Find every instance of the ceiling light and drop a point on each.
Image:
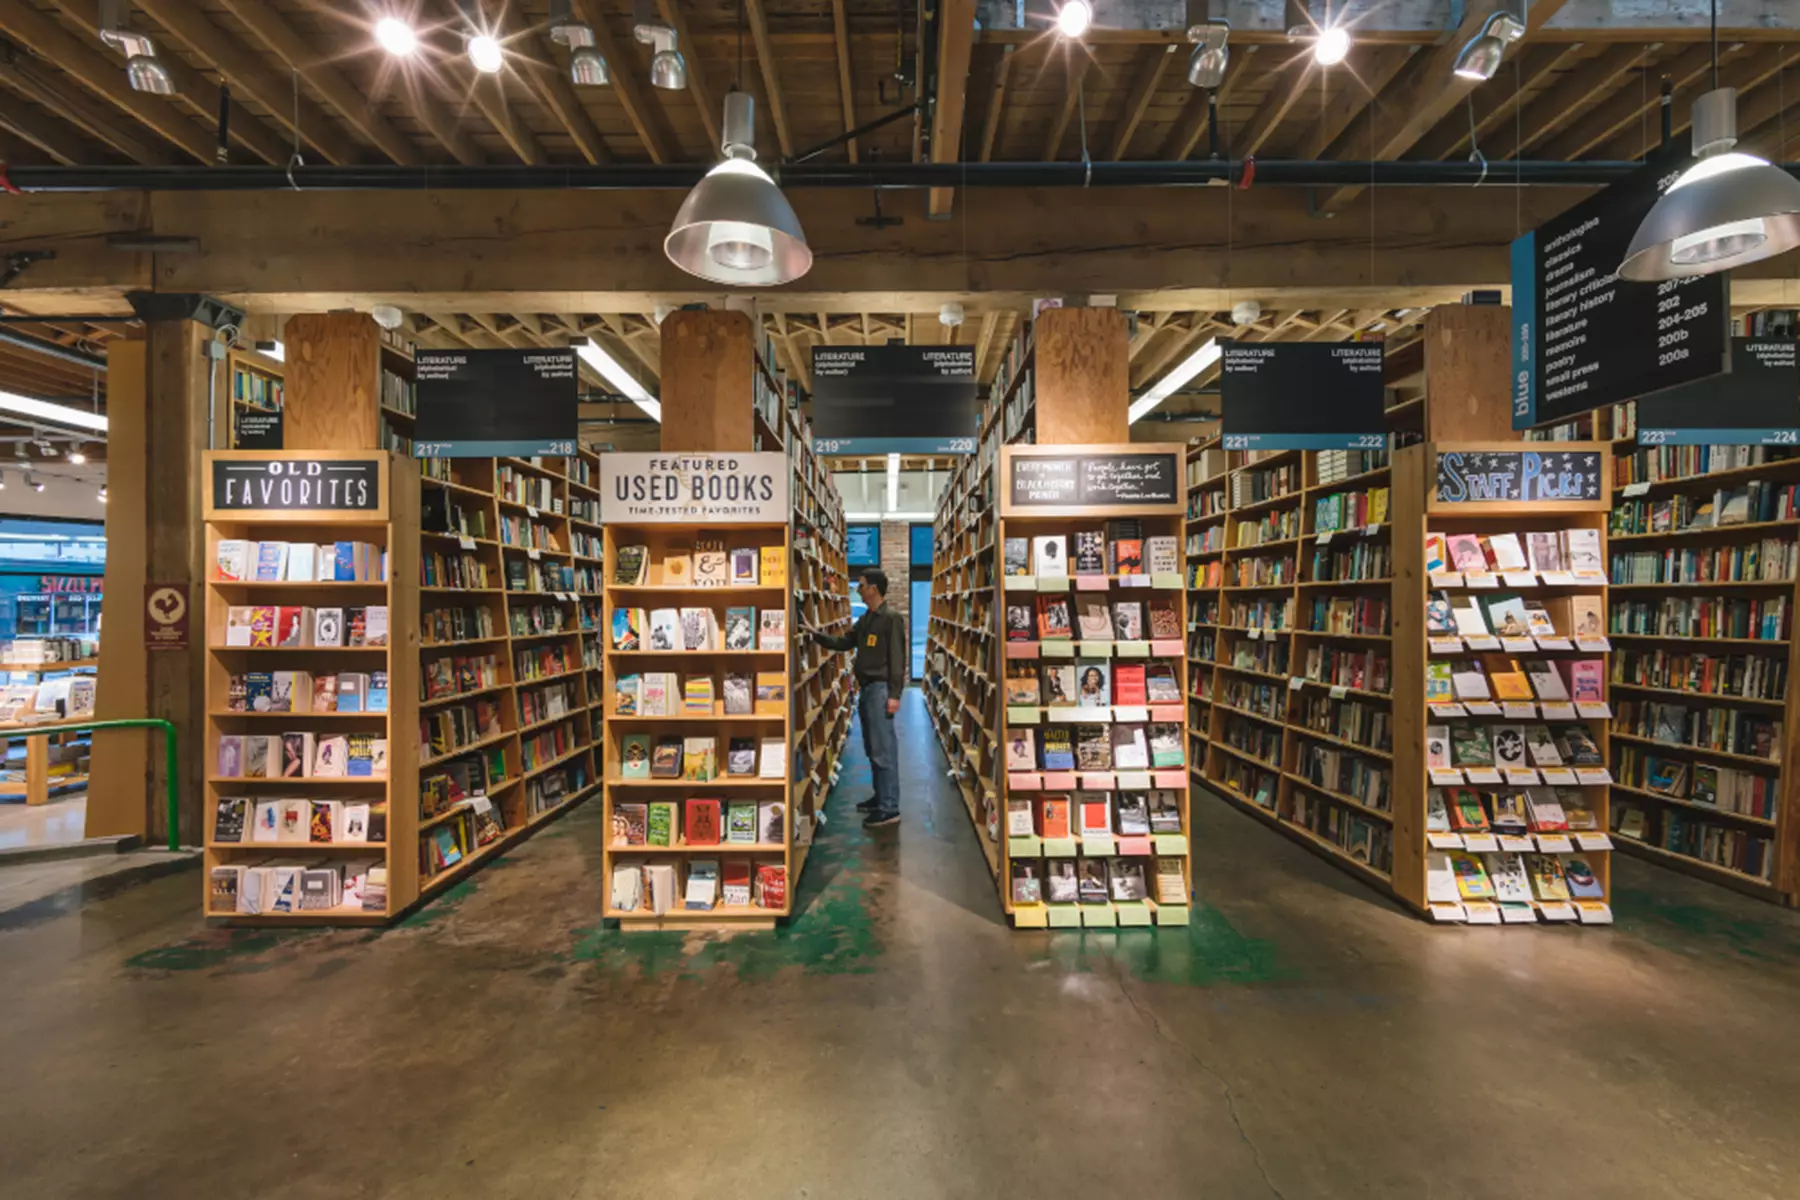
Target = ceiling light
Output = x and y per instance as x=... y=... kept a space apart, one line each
x=1727 y=210
x=893 y=483
x=396 y=36
x=587 y=68
x=623 y=381
x=43 y=410
x=485 y=53
x=1481 y=57
x=1176 y=379
x=1206 y=66
x=1074 y=18
x=1331 y=46
x=274 y=350
x=103 y=493
x=77 y=455
x=36 y=484
x=668 y=70
x=735 y=226
x=147 y=74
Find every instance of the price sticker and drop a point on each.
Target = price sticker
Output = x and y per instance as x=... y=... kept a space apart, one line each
x=466 y=543
x=1295 y=683
x=1339 y=692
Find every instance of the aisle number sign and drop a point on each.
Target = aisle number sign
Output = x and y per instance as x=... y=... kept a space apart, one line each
x=670 y=488
x=1302 y=396
x=497 y=403
x=1756 y=403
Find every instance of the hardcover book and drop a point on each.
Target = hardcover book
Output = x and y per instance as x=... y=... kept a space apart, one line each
x=1059 y=881
x=1020 y=626
x=1054 y=816
x=1165 y=811
x=1093 y=748
x=1054 y=621
x=740 y=629
x=1092 y=617
x=1059 y=750
x=1090 y=552
x=702 y=822
x=630 y=566
x=1128 y=620
x=1127 y=878
x=1093 y=689
x=1049 y=555
x=634 y=756
x=630 y=824
x=1160 y=556
x=1017 y=556
x=740 y=756
x=1022 y=682
x=745 y=564
x=1059 y=684
x=1165 y=744
x=1027 y=886
x=771 y=629
x=665 y=758
x=711 y=567
x=1092 y=879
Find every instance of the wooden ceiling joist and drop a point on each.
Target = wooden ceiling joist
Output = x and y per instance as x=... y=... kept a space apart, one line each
x=840 y=44
x=629 y=86
x=996 y=103
x=1348 y=96
x=1075 y=68
x=1626 y=105
x=1489 y=107
x=1152 y=64
x=536 y=61
x=956 y=38
x=1292 y=82
x=767 y=58
x=1575 y=92
x=60 y=140
x=706 y=107
x=1752 y=67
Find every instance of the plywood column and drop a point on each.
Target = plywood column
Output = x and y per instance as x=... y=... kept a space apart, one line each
x=333 y=382
x=1083 y=376
x=154 y=446
x=1468 y=373
x=708 y=381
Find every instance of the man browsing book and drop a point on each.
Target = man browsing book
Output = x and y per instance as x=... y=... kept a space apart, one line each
x=881 y=667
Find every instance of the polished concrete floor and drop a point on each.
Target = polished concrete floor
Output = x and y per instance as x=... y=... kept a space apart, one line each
x=59 y=823
x=1303 y=1039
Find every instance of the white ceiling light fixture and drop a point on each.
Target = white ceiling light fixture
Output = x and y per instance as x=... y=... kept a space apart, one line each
x=274 y=350
x=1212 y=53
x=43 y=410
x=1175 y=380
x=623 y=381
x=1074 y=19
x=77 y=455
x=668 y=70
x=1481 y=57
x=143 y=70
x=1330 y=43
x=587 y=66
x=893 y=483
x=395 y=36
x=736 y=227
x=484 y=49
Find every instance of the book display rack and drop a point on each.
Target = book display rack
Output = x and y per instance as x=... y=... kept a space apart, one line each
x=310 y=624
x=1094 y=725
x=1501 y=711
x=1207 y=510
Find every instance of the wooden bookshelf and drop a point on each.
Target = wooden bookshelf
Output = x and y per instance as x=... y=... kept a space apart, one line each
x=391 y=524
x=1204 y=551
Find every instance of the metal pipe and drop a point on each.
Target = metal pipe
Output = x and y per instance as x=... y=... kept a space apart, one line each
x=637 y=177
x=51 y=349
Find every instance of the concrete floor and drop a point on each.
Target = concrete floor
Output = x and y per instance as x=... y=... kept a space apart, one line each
x=1303 y=1039
x=61 y=822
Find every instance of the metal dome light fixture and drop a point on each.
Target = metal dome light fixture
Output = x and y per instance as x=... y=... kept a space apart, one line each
x=736 y=227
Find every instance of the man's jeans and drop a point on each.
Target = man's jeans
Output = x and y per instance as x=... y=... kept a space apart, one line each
x=882 y=747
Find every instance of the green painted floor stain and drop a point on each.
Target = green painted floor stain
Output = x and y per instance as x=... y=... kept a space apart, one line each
x=1703 y=929
x=215 y=948
x=1210 y=952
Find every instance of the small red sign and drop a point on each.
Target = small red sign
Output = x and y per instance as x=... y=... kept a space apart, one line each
x=166 y=616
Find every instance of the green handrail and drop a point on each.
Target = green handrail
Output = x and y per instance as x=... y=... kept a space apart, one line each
x=172 y=761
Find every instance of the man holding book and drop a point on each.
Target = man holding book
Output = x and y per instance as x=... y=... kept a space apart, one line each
x=882 y=667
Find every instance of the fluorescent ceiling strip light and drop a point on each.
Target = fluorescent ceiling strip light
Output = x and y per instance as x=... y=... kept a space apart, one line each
x=893 y=488
x=1175 y=380
x=621 y=379
x=890 y=516
x=43 y=410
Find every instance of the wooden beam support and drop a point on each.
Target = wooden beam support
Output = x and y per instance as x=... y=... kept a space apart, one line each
x=249 y=72
x=767 y=59
x=1282 y=96
x=1152 y=63
x=28 y=77
x=628 y=86
x=60 y=140
x=840 y=43
x=1348 y=97
x=705 y=105
x=1495 y=102
x=1627 y=105
x=1191 y=126
x=990 y=127
x=1745 y=71
x=1431 y=90
x=956 y=39
x=1576 y=92
x=93 y=69
x=273 y=28
x=1075 y=67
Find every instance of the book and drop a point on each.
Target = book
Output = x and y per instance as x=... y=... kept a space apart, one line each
x=1021 y=626
x=665 y=758
x=1059 y=881
x=702 y=892
x=740 y=629
x=1584 y=550
x=771 y=629
x=1577 y=746
x=1506 y=615
x=229 y=757
x=630 y=565
x=1466 y=612
x=1165 y=621
x=1127 y=878
x=771 y=759
x=1089 y=552
x=745 y=566
x=771 y=692
x=1466 y=553
x=1016 y=556
x=740 y=756
x=233 y=559
x=1059 y=688
x=1093 y=748
x=771 y=885
x=699 y=630
x=711 y=565
x=771 y=822
x=630 y=824
x=1509 y=814
x=1054 y=816
x=1437 y=554
x=1507 y=678
x=1093 y=688
x=1092 y=881
x=1437 y=746
x=1161 y=557
x=1165 y=744
x=1021 y=749
x=1547 y=881
x=1470 y=746
x=1511 y=884
x=1509 y=746
x=1022 y=681
x=1161 y=684
x=627 y=887
x=1440 y=614
x=774 y=566
x=1165 y=811
x=627 y=696
x=634 y=756
x=1027 y=885
x=734 y=883
x=740 y=825
x=1468 y=682
x=1049 y=555
x=665 y=629
x=1059 y=749
x=701 y=822
x=1580 y=879
x=1133 y=813
x=1544 y=812
x=678 y=565
x=1541 y=746
x=1128 y=620
x=699 y=758
x=1545 y=551
x=736 y=692
x=1538 y=621
x=230 y=815
x=1472 y=881
x=1130 y=749
x=1586 y=680
x=1546 y=682
x=1508 y=554
x=1439 y=687
x=627 y=628
x=1053 y=617
x=1586 y=619
x=659 y=824
x=332 y=757
x=1092 y=618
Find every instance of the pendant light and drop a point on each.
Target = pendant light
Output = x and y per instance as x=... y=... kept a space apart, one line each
x=1727 y=210
x=735 y=226
x=1481 y=57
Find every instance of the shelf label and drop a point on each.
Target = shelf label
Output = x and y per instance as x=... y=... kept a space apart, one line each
x=1594 y=645
x=1097 y=781
x=467 y=543
x=1516 y=843
x=1446 y=645
x=1480 y=579
x=1519 y=579
x=1481 y=842
x=1372 y=528
x=1554 y=643
x=1339 y=692
x=1518 y=914
x=531 y=553
x=1448 y=913
x=1167 y=579
x=1556 y=911
x=1514 y=645
x=1595 y=709
x=1446 y=579
x=1518 y=710
x=1590 y=575
x=1070 y=716
x=1593 y=776
x=1024 y=847
x=1521 y=776
x=1560 y=776
x=1446 y=776
x=1253 y=633
x=1057 y=648
x=1594 y=912
x=1641 y=488
x=1558 y=711
x=1558 y=579
x=1169 y=843
x=1021 y=583
x=1132 y=649
x=1593 y=841
x=1444 y=841
x=1482 y=774
x=1126 y=712
x=531 y=512
x=1053 y=583
x=1324 y=537
x=1059 y=848
x=1091 y=583
x=1442 y=709
x=1482 y=708
x=1098 y=845
x=1482 y=912
x=1024 y=715
x=1295 y=683
x=1483 y=642
x=1554 y=843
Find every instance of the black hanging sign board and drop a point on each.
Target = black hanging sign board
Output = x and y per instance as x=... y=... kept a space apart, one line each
x=1584 y=338
x=255 y=428
x=1756 y=403
x=297 y=484
x=1302 y=396
x=893 y=399
x=496 y=403
x=1099 y=480
x=1518 y=476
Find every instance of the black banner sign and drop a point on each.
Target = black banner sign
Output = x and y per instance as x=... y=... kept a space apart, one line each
x=1480 y=476
x=497 y=403
x=299 y=484
x=1756 y=403
x=1302 y=396
x=893 y=399
x=1121 y=480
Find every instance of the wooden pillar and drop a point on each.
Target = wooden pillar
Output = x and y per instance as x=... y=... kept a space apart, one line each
x=708 y=381
x=1083 y=376
x=1468 y=373
x=333 y=382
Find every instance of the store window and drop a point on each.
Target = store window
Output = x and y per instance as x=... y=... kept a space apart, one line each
x=51 y=574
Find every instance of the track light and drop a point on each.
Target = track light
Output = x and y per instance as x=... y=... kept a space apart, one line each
x=77 y=455
x=1074 y=18
x=1206 y=65
x=622 y=380
x=396 y=36
x=142 y=69
x=1481 y=57
x=485 y=53
x=60 y=414
x=1330 y=44
x=1176 y=379
x=668 y=69
x=587 y=66
x=1727 y=210
x=735 y=226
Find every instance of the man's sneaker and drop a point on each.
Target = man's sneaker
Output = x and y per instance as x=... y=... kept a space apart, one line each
x=868 y=806
x=877 y=820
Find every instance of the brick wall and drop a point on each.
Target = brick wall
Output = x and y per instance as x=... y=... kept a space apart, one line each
x=896 y=560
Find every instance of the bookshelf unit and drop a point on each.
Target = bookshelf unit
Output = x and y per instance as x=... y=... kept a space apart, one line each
x=1513 y=743
x=1085 y=827
x=391 y=524
x=1207 y=512
x=636 y=743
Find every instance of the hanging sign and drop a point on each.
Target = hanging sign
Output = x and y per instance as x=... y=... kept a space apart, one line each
x=1302 y=396
x=300 y=484
x=659 y=488
x=496 y=403
x=894 y=400
x=255 y=428
x=1518 y=476
x=1584 y=338
x=1756 y=403
x=1097 y=479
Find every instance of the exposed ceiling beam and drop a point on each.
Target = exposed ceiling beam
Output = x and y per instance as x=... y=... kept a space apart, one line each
x=1191 y=126
x=631 y=342
x=1348 y=94
x=546 y=74
x=630 y=88
x=1075 y=68
x=1283 y=94
x=704 y=103
x=1152 y=62
x=445 y=125
x=990 y=128
x=273 y=28
x=249 y=72
x=87 y=65
x=1745 y=71
x=767 y=59
x=1626 y=105
x=956 y=38
x=989 y=320
x=1496 y=101
x=840 y=44
x=1429 y=91
x=61 y=140
x=1577 y=91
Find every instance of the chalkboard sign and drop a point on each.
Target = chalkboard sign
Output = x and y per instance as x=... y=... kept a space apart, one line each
x=1302 y=396
x=299 y=484
x=496 y=403
x=1756 y=403
x=1527 y=476
x=894 y=400
x=1582 y=337
x=862 y=546
x=1099 y=480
